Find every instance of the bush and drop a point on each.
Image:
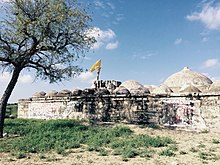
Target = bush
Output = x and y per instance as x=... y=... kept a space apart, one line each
x=215 y=141
x=129 y=153
x=167 y=152
x=20 y=156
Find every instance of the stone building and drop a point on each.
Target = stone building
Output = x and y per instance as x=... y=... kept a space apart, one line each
x=186 y=99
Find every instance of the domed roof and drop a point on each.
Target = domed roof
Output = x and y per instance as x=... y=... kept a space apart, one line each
x=140 y=91
x=150 y=87
x=187 y=76
x=216 y=83
x=64 y=93
x=39 y=94
x=52 y=93
x=189 y=89
x=121 y=90
x=162 y=89
x=214 y=88
x=131 y=84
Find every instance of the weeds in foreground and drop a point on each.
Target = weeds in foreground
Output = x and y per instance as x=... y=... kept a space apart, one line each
x=40 y=136
x=193 y=149
x=215 y=141
x=167 y=152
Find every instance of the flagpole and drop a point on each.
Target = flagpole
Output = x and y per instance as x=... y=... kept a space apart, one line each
x=97 y=66
x=98 y=72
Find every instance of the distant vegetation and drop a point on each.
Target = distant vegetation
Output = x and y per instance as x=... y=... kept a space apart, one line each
x=62 y=136
x=11 y=110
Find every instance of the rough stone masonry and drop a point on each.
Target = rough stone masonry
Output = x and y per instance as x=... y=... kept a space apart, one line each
x=109 y=101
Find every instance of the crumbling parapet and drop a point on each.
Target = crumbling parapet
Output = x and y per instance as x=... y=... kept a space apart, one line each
x=196 y=111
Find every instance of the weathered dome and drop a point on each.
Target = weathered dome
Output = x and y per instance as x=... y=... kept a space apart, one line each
x=150 y=87
x=162 y=89
x=214 y=88
x=216 y=83
x=39 y=94
x=121 y=90
x=52 y=93
x=131 y=84
x=140 y=91
x=189 y=89
x=64 y=93
x=187 y=77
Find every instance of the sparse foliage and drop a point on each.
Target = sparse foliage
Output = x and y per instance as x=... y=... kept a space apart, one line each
x=46 y=36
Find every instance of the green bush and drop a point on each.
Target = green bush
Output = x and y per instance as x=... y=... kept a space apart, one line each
x=20 y=155
x=167 y=152
x=103 y=152
x=129 y=153
x=203 y=155
x=215 y=141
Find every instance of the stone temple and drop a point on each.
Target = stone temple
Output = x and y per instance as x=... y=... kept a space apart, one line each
x=186 y=99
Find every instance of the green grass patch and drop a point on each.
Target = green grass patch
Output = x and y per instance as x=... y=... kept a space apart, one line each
x=204 y=155
x=167 y=152
x=41 y=136
x=215 y=141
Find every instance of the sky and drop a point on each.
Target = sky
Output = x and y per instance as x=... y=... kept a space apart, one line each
x=142 y=40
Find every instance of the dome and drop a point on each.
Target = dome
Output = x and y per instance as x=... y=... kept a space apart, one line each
x=121 y=90
x=162 y=89
x=187 y=77
x=64 y=93
x=150 y=87
x=39 y=94
x=131 y=84
x=214 y=88
x=140 y=91
x=189 y=89
x=52 y=93
x=216 y=83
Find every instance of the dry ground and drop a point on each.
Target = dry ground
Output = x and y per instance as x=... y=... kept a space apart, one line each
x=193 y=148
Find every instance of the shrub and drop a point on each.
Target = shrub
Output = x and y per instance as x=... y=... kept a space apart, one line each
x=203 y=155
x=129 y=153
x=103 y=152
x=20 y=155
x=167 y=152
x=183 y=152
x=215 y=141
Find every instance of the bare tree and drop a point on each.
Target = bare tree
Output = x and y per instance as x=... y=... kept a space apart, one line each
x=46 y=36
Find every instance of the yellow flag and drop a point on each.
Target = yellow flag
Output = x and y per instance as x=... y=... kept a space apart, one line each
x=97 y=65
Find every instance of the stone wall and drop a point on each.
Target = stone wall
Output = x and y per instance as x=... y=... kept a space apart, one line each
x=196 y=112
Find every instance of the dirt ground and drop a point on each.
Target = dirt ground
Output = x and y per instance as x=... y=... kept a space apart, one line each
x=193 y=148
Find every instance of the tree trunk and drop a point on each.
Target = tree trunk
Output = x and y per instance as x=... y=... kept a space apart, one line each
x=5 y=97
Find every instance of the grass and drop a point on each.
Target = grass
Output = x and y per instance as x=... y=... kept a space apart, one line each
x=42 y=136
x=167 y=152
x=215 y=141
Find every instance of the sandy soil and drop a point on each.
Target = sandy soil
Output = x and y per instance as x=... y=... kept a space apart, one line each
x=190 y=146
